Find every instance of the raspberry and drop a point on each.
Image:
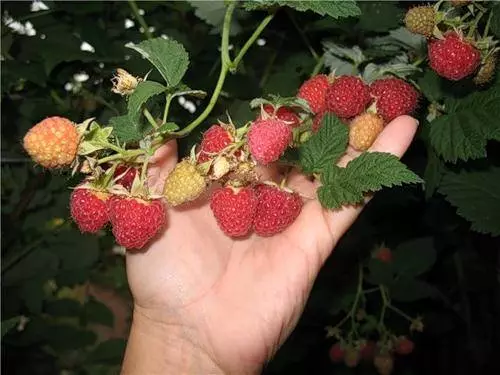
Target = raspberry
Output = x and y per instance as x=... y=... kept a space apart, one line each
x=384 y=363
x=53 y=142
x=284 y=114
x=127 y=174
x=313 y=91
x=395 y=97
x=183 y=184
x=347 y=96
x=135 y=221
x=421 y=20
x=351 y=357
x=486 y=71
x=214 y=140
x=234 y=209
x=268 y=139
x=276 y=210
x=367 y=350
x=336 y=353
x=453 y=57
x=364 y=129
x=404 y=345
x=384 y=254
x=88 y=209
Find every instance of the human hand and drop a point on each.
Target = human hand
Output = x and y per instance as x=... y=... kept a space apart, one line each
x=205 y=303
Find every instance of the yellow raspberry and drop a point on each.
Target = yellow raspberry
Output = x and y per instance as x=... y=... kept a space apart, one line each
x=364 y=129
x=421 y=20
x=53 y=142
x=486 y=71
x=183 y=184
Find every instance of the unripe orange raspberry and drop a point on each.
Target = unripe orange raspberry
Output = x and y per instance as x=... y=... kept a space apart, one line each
x=53 y=142
x=364 y=129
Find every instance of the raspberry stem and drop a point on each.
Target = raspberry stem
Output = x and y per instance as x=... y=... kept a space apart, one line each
x=140 y=19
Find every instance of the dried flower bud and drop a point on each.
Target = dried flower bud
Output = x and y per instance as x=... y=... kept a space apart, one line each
x=124 y=83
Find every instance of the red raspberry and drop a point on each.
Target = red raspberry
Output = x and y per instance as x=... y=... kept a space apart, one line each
x=268 y=139
x=88 y=209
x=404 y=345
x=284 y=114
x=276 y=210
x=128 y=177
x=395 y=97
x=214 y=140
x=347 y=96
x=234 y=209
x=453 y=57
x=336 y=353
x=135 y=221
x=313 y=91
x=367 y=350
x=384 y=254
x=53 y=142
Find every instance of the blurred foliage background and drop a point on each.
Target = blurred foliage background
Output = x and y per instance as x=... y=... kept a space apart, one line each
x=65 y=301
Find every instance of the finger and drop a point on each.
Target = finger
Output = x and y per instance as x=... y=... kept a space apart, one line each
x=395 y=139
x=302 y=184
x=161 y=164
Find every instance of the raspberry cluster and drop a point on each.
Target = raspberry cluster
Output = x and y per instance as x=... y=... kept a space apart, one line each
x=456 y=49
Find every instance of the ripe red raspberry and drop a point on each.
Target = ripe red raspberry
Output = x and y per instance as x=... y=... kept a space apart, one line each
x=88 y=209
x=384 y=254
x=395 y=97
x=53 y=142
x=128 y=177
x=214 y=140
x=234 y=209
x=135 y=221
x=276 y=210
x=453 y=57
x=268 y=139
x=336 y=353
x=347 y=96
x=313 y=91
x=404 y=345
x=367 y=350
x=284 y=114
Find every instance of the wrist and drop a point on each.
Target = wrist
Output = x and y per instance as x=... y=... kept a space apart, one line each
x=159 y=347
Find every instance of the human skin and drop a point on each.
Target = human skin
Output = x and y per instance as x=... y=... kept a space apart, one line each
x=208 y=304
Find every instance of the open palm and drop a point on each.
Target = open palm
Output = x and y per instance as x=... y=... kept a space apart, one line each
x=240 y=299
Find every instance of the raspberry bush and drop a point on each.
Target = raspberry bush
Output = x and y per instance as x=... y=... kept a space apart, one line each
x=250 y=84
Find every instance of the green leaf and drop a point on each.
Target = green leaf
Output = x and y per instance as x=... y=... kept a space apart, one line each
x=463 y=133
x=407 y=289
x=98 y=312
x=167 y=55
x=495 y=20
x=414 y=257
x=430 y=86
x=66 y=337
x=369 y=172
x=124 y=129
x=94 y=139
x=168 y=127
x=8 y=324
x=38 y=262
x=213 y=12
x=63 y=307
x=433 y=173
x=476 y=196
x=110 y=351
x=335 y=9
x=141 y=94
x=326 y=146
x=379 y=272
x=379 y=15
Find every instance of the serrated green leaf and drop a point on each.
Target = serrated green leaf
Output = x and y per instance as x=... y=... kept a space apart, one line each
x=124 y=129
x=379 y=15
x=94 y=139
x=463 y=133
x=141 y=94
x=335 y=9
x=369 y=172
x=8 y=324
x=167 y=55
x=414 y=257
x=495 y=20
x=430 y=86
x=433 y=173
x=407 y=289
x=326 y=146
x=476 y=197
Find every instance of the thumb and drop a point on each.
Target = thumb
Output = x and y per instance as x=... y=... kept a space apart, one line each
x=161 y=164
